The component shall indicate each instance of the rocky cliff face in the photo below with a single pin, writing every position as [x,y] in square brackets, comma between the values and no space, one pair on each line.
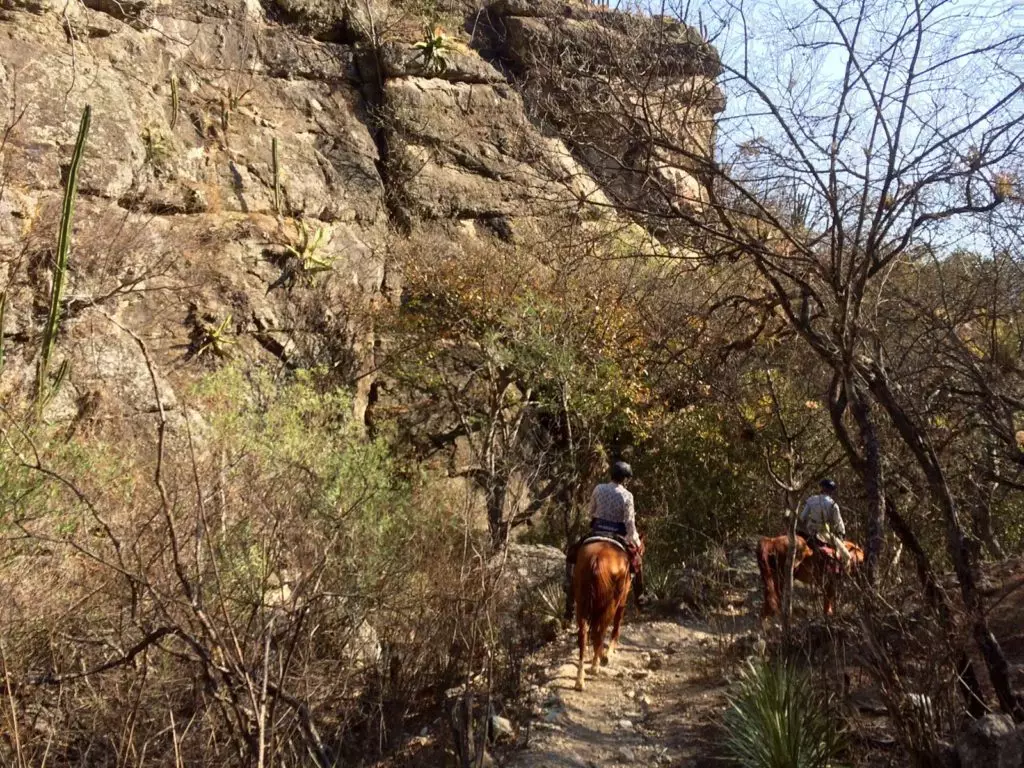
[184,237]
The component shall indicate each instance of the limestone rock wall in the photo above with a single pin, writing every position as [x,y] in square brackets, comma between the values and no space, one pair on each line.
[177,232]
[634,98]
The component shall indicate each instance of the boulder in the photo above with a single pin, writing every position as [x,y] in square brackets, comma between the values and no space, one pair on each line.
[501,728]
[532,585]
[570,55]
[992,741]
[533,565]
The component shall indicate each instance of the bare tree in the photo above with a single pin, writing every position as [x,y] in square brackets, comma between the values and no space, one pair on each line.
[864,140]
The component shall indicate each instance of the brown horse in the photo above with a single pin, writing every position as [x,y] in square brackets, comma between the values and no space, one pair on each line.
[600,586]
[808,567]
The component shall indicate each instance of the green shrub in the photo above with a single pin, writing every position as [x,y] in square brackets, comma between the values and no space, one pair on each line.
[282,539]
[778,719]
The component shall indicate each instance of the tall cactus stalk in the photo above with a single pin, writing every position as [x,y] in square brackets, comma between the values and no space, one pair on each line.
[175,104]
[60,268]
[3,307]
[277,175]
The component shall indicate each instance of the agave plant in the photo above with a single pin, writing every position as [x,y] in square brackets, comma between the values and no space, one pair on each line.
[778,719]
[434,49]
[215,339]
[306,248]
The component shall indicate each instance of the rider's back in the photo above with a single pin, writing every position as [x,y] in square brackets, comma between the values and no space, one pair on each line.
[611,510]
[820,514]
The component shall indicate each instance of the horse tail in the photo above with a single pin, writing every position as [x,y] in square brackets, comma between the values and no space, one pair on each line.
[765,556]
[594,597]
[595,587]
[587,593]
[604,596]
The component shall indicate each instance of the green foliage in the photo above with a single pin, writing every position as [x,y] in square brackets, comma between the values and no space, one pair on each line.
[700,481]
[434,49]
[298,441]
[306,248]
[30,497]
[778,719]
[60,268]
[215,339]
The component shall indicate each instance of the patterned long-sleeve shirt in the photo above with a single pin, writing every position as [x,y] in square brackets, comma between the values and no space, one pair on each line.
[614,504]
[821,515]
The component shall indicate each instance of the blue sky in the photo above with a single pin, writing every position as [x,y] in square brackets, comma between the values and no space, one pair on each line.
[796,54]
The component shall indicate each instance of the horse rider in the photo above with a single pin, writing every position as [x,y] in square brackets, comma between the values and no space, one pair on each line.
[820,523]
[611,514]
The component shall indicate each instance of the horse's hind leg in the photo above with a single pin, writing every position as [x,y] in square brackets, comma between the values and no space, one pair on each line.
[581,639]
[829,592]
[614,640]
[597,631]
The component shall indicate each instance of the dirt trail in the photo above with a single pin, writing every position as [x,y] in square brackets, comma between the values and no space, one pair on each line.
[655,704]
[662,697]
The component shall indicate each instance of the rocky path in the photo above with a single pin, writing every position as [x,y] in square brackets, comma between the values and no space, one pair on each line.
[655,704]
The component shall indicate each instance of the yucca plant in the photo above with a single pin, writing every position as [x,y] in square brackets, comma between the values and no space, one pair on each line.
[434,49]
[550,601]
[659,580]
[778,719]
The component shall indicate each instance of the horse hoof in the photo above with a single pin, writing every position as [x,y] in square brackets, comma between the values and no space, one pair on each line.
[579,685]
[604,661]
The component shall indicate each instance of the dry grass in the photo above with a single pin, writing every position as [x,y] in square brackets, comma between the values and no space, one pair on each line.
[262,589]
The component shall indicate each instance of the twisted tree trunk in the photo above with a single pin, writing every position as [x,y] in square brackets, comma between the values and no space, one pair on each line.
[956,541]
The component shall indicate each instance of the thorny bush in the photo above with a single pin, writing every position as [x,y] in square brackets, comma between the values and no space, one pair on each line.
[259,585]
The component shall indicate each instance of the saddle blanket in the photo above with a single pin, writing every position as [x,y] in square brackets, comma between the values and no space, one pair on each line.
[833,561]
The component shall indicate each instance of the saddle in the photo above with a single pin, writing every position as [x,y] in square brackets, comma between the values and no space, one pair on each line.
[610,538]
[828,553]
[635,555]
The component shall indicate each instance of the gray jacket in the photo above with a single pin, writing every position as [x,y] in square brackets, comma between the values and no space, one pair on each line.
[820,515]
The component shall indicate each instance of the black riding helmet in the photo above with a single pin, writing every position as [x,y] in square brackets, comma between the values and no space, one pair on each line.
[621,471]
[828,485]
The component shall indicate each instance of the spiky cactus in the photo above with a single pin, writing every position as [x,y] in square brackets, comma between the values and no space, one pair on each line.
[60,268]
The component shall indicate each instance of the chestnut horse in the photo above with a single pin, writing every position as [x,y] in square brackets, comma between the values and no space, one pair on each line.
[600,586]
[809,567]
